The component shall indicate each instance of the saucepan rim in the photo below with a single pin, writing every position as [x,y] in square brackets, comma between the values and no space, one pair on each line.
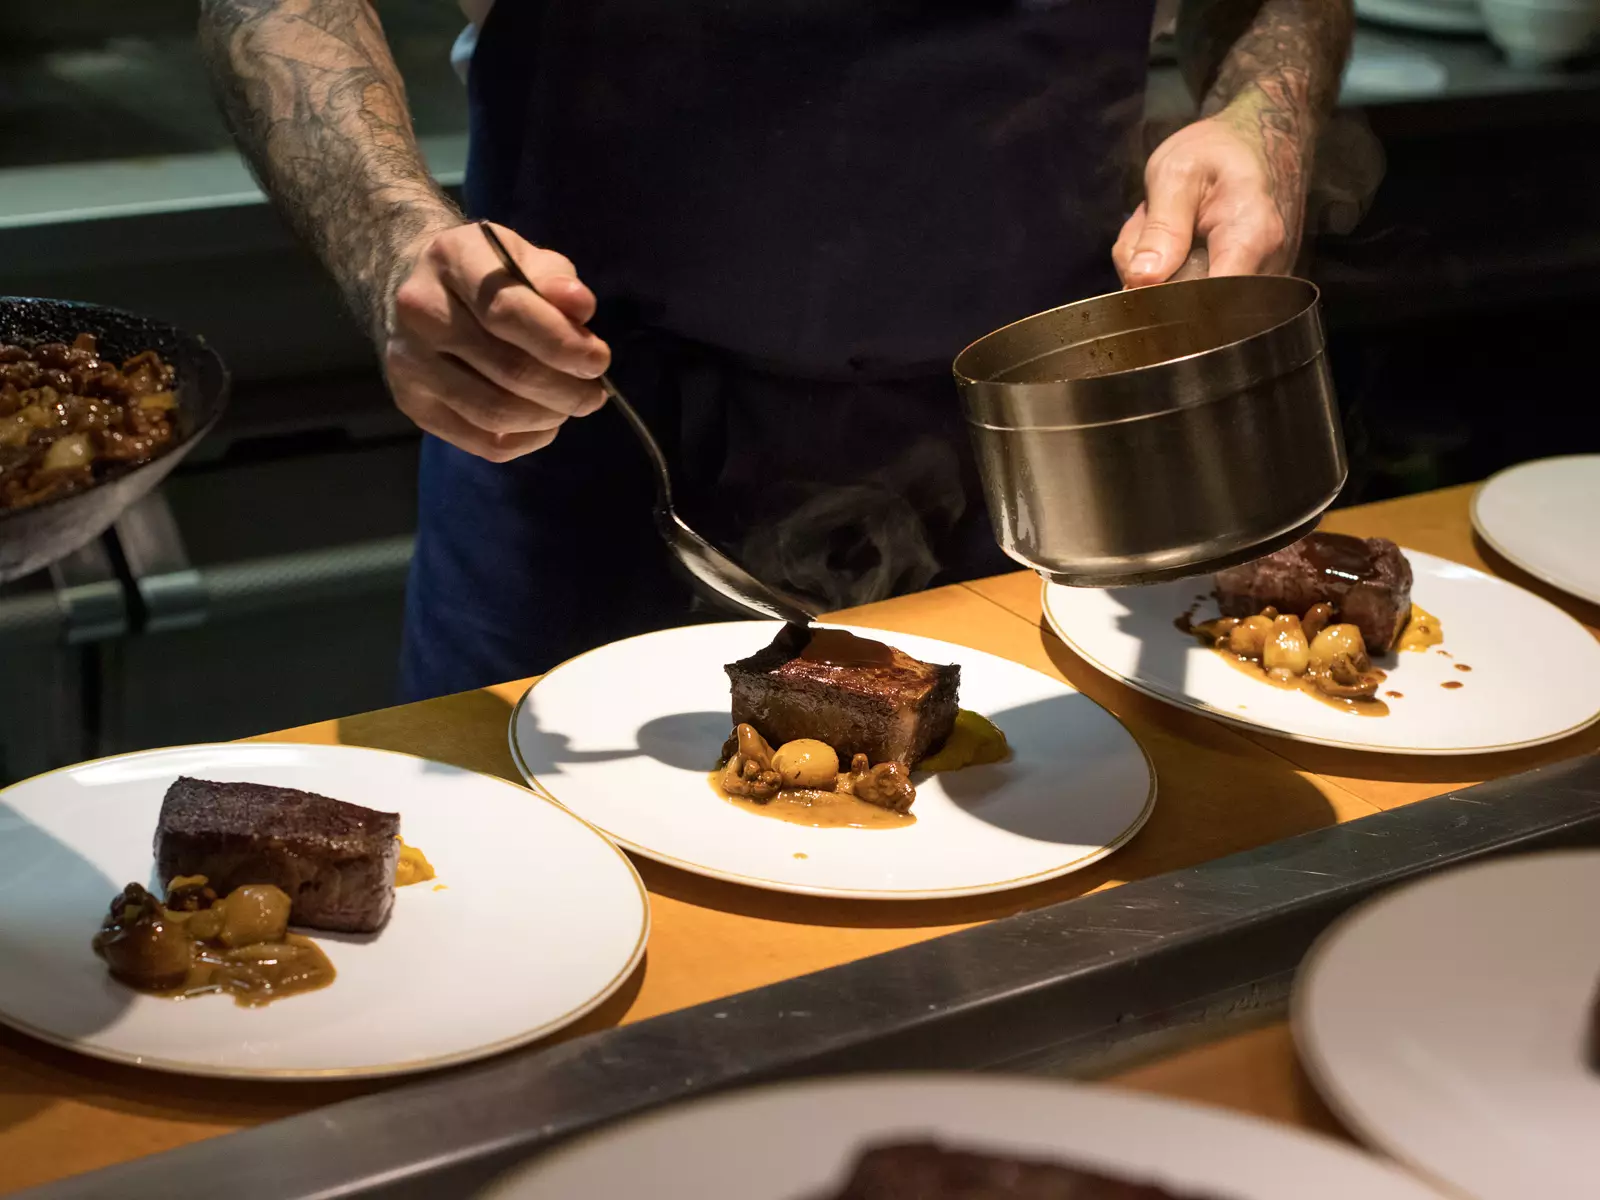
[1314,297]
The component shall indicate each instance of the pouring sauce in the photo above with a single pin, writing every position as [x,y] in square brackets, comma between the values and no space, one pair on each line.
[839,648]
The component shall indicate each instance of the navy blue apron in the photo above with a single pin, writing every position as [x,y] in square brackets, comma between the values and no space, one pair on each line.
[795,213]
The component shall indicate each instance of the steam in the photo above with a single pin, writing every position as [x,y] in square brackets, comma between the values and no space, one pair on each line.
[854,543]
[1349,167]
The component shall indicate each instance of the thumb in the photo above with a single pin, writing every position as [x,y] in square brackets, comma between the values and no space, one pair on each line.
[1172,200]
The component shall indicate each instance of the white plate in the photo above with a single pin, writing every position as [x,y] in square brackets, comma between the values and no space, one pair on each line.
[626,737]
[538,921]
[1541,517]
[1535,671]
[795,1141]
[1431,16]
[1445,1023]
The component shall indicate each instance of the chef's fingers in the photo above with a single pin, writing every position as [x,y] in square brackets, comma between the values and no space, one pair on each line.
[471,272]
[430,317]
[422,380]
[493,408]
[1174,184]
[437,418]
[551,273]
[1122,248]
[515,370]
[1246,235]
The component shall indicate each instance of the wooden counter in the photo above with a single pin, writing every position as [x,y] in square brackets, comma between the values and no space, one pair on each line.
[1221,790]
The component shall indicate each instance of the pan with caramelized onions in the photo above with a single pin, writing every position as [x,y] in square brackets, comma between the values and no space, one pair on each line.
[37,534]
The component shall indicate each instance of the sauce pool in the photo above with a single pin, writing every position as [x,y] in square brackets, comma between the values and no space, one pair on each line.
[818,809]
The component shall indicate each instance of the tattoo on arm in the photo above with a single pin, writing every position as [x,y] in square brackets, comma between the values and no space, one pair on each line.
[319,110]
[1273,66]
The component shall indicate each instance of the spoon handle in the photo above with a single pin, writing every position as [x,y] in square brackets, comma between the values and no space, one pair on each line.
[647,440]
[635,422]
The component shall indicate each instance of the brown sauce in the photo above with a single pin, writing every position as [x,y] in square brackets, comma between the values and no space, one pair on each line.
[259,974]
[818,809]
[1357,708]
[1395,695]
[1339,556]
[837,648]
[238,945]
[1462,667]
[1451,683]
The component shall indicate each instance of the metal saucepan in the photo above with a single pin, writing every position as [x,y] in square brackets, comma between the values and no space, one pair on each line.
[32,538]
[1156,433]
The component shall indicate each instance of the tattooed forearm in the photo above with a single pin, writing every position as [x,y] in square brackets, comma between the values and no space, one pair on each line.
[1226,46]
[1271,67]
[318,108]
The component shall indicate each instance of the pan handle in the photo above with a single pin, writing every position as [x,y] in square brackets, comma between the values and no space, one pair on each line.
[1196,266]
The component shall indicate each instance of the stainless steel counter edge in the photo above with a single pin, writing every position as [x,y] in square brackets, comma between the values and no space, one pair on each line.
[1056,989]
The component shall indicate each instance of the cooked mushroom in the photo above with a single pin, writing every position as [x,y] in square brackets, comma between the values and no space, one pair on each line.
[1346,679]
[888,785]
[1317,618]
[749,772]
[143,945]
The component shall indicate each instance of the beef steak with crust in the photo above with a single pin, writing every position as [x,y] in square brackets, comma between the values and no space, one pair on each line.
[857,695]
[1368,582]
[335,860]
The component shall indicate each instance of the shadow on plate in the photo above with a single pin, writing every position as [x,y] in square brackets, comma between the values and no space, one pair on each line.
[544,751]
[1163,648]
[1070,721]
[690,741]
[1579,609]
[52,900]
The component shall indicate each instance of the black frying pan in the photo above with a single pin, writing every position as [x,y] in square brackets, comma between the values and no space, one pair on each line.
[32,538]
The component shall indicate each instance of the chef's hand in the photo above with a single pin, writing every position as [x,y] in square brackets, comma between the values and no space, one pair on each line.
[482,362]
[1213,181]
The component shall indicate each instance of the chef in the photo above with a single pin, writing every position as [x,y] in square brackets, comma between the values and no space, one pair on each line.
[775,222]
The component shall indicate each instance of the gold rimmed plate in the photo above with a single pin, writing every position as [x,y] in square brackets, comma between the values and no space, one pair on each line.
[534,919]
[626,737]
[1513,669]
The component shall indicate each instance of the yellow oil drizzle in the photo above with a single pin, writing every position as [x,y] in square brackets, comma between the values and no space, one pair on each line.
[1422,630]
[412,867]
[973,741]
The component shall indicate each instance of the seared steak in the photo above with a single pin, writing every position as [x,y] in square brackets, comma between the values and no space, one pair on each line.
[336,861]
[923,1171]
[1368,582]
[859,696]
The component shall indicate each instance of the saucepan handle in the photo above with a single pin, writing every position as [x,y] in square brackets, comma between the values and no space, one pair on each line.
[1196,266]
